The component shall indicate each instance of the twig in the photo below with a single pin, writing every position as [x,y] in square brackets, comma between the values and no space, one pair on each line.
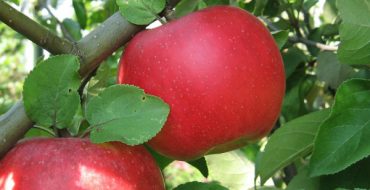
[313,43]
[301,39]
[65,32]
[294,21]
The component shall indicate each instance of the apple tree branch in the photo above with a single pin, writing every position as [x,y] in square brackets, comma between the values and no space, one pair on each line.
[92,50]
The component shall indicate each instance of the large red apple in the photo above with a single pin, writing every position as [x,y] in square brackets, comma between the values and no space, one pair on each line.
[77,164]
[220,71]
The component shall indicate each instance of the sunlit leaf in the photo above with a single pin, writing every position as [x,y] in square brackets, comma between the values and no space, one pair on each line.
[290,142]
[343,138]
[50,92]
[125,113]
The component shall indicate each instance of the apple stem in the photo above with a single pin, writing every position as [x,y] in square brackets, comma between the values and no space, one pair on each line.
[45,129]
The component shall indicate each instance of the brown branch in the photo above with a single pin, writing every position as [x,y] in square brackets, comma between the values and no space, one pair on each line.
[92,50]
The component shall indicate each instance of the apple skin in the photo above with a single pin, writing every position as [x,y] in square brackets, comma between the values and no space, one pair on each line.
[77,164]
[220,71]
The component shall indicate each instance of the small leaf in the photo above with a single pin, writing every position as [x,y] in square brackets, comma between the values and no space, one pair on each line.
[200,186]
[73,28]
[354,31]
[80,12]
[125,113]
[343,138]
[290,142]
[141,12]
[281,37]
[201,165]
[232,169]
[185,7]
[50,91]
[330,70]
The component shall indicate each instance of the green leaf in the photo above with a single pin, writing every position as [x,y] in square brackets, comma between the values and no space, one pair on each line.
[281,37]
[216,2]
[303,181]
[356,176]
[185,7]
[36,133]
[125,113]
[200,186]
[14,1]
[231,169]
[80,12]
[251,151]
[201,5]
[292,59]
[309,3]
[75,124]
[54,3]
[259,7]
[201,165]
[110,7]
[73,28]
[273,8]
[330,70]
[141,12]
[106,75]
[50,91]
[290,142]
[330,13]
[267,188]
[297,88]
[354,31]
[343,138]
[162,161]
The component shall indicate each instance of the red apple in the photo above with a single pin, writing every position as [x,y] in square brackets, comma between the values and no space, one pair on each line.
[72,164]
[220,71]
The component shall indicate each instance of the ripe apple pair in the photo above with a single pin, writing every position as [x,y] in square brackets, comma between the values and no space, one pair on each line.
[220,71]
